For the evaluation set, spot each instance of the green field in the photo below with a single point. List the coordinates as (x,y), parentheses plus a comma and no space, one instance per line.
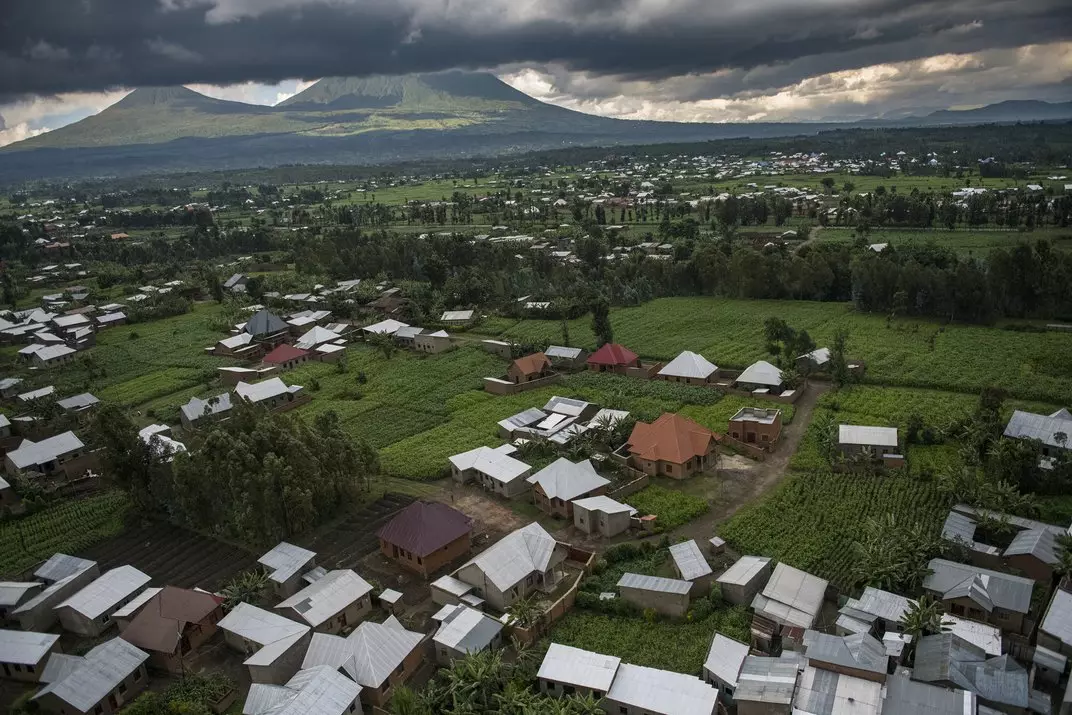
(965,242)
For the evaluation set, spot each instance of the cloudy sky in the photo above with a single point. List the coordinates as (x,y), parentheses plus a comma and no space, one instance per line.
(687,60)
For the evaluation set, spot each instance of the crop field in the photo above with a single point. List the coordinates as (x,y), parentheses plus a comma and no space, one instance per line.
(963,358)
(673,507)
(965,242)
(342,544)
(70,527)
(812,519)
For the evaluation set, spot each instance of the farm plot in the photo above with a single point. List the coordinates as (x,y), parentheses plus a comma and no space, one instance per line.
(966,242)
(343,543)
(673,507)
(173,555)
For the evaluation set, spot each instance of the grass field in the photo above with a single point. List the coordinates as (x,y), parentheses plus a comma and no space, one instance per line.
(966,242)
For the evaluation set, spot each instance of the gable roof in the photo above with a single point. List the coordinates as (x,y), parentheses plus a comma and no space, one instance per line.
(990,589)
(566,480)
(859,651)
(84,682)
(744,570)
(1058,619)
(689,560)
(820,356)
(285,560)
(515,556)
(274,634)
(316,336)
(642,582)
(761,372)
(725,658)
(671,438)
(327,596)
(264,323)
(78,402)
(532,364)
(689,364)
(1028,425)
(385,327)
(791,597)
(25,648)
(495,463)
(424,527)
(563,352)
(467,630)
(368,655)
(604,504)
(580,668)
(662,691)
(32,454)
(195,408)
(106,591)
(612,354)
(947,658)
(159,624)
(867,436)
(320,690)
(284,353)
(264,390)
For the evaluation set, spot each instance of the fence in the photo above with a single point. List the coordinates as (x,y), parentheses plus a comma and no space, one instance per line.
(749,449)
(585,560)
(498,386)
(632,486)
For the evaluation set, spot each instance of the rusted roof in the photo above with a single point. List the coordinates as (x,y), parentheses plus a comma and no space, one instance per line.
(425,527)
(671,438)
(160,623)
(285,353)
(532,364)
(612,354)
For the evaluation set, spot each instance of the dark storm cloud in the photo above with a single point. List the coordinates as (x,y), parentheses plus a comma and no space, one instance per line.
(51,46)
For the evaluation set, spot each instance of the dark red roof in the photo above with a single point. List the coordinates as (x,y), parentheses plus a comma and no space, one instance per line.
(284,353)
(161,621)
(425,527)
(613,354)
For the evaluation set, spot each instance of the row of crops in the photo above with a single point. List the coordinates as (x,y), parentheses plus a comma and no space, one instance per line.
(68,527)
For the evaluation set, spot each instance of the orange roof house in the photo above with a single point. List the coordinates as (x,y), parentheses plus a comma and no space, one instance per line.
(612,357)
(529,368)
(673,446)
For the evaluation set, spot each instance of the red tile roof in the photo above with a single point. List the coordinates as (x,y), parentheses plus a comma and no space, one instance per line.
(671,438)
(285,353)
(613,354)
(532,364)
(425,527)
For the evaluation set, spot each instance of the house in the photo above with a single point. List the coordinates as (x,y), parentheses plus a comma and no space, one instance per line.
(376,656)
(173,624)
(529,368)
(241,346)
(494,469)
(384,327)
(406,336)
(822,690)
(197,411)
(273,644)
(160,443)
(1053,431)
(54,355)
(457,317)
(236,283)
(1055,631)
(766,686)
(786,607)
(65,323)
(23,655)
(38,394)
(14,593)
(905,696)
(316,337)
(321,690)
(339,599)
(464,630)
(101,682)
(55,454)
(879,444)
(980,594)
(1033,550)
(566,670)
(433,343)
(673,446)
(522,562)
(664,595)
(555,486)
(89,611)
(78,403)
(947,660)
(722,667)
(272,393)
(128,612)
(286,357)
(9,387)
(638,690)
(859,655)
(756,425)
(690,565)
(426,536)
(612,358)
(566,358)
(689,368)
(497,347)
(761,377)
(63,576)
(603,515)
(288,566)
(741,582)
(816,360)
(265,326)
(110,320)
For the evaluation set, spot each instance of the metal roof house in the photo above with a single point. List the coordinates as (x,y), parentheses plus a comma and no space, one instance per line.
(288,564)
(878,442)
(665,595)
(637,690)
(744,579)
(859,655)
(320,690)
(1055,631)
(980,594)
(376,656)
(767,685)
(830,692)
(493,468)
(457,317)
(337,600)
(14,593)
(565,670)
(603,515)
(556,486)
(384,327)
(23,654)
(88,612)
(194,411)
(520,563)
(760,375)
(47,456)
(689,368)
(272,643)
(723,664)
(786,607)
(463,631)
(107,677)
(567,358)
(691,565)
(264,325)
(1047,429)
(271,393)
(817,359)
(905,696)
(946,659)
(63,575)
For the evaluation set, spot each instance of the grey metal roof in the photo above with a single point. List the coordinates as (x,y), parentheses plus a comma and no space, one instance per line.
(860,651)
(567,480)
(689,560)
(820,356)
(104,593)
(496,463)
(136,603)
(689,364)
(523,419)
(768,680)
(368,655)
(285,560)
(264,323)
(515,556)
(759,415)
(662,691)
(78,402)
(791,597)
(562,352)
(467,630)
(876,603)
(565,406)
(959,528)
(86,683)
(654,583)
(905,696)
(452,586)
(274,633)
(195,408)
(1051,659)
(1030,542)
(1011,593)
(744,570)
(761,372)
(317,336)
(580,668)
(320,690)
(327,596)
(936,654)
(1017,521)
(25,648)
(32,454)
(725,658)
(264,390)
(12,592)
(823,692)
(1041,427)
(867,435)
(1058,619)
(604,504)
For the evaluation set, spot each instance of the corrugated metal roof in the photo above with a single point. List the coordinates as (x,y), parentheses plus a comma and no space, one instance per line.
(580,668)
(522,419)
(195,408)
(689,364)
(274,633)
(31,454)
(368,655)
(453,315)
(567,480)
(859,651)
(452,586)
(467,630)
(1030,542)
(105,592)
(424,527)
(1047,658)
(562,352)
(316,336)
(875,602)
(318,690)
(978,634)
(689,560)
(264,390)
(25,648)
(768,680)
(761,372)
(1058,619)
(1011,593)
(744,570)
(604,504)
(960,528)
(327,596)
(1041,427)
(791,597)
(12,592)
(662,691)
(654,583)
(1017,521)
(86,683)
(566,406)
(285,560)
(823,692)
(138,601)
(725,658)
(515,556)
(385,327)
(905,696)
(867,435)
(78,402)
(495,463)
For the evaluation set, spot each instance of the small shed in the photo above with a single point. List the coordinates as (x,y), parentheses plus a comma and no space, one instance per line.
(690,565)
(723,665)
(603,515)
(741,582)
(665,595)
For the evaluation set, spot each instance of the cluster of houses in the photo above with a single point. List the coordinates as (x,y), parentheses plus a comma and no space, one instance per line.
(50,338)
